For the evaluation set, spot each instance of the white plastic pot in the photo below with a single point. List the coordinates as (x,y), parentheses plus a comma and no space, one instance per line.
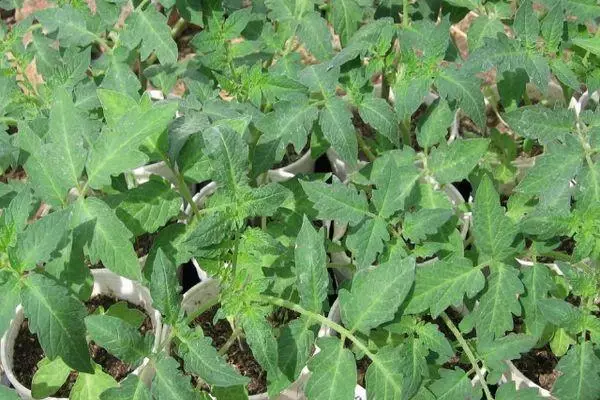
(303,165)
(106,283)
(515,376)
(207,292)
(142,174)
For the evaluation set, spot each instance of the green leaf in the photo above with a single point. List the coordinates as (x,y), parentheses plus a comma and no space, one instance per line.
(580,373)
(483,27)
(119,338)
(263,201)
(336,122)
(346,16)
(409,94)
(457,86)
(295,346)
(526,24)
(8,394)
(259,335)
(314,34)
(378,113)
(333,372)
(121,310)
(552,27)
(164,287)
(66,131)
(494,232)
(384,378)
(336,201)
(44,167)
(201,358)
(454,384)
(36,244)
(117,148)
(538,282)
(169,383)
(130,388)
(56,317)
(49,377)
(90,386)
(498,303)
(454,162)
(435,127)
(541,123)
(321,79)
(560,163)
(312,279)
(228,155)
(119,76)
(70,23)
(443,284)
(509,391)
(366,240)
(394,183)
(509,347)
(427,221)
(10,289)
(148,207)
(561,314)
(376,294)
(150,28)
(109,239)
(589,44)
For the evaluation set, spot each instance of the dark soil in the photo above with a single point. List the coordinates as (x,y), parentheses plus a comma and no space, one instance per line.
(28,351)
(539,366)
(361,368)
(238,355)
(143,243)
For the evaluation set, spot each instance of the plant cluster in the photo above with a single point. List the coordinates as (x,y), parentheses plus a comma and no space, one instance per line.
(429,294)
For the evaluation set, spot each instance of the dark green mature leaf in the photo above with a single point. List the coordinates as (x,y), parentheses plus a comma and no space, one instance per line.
(314,34)
(346,16)
(295,346)
(454,384)
(552,27)
(366,240)
(417,225)
(10,288)
(333,372)
(36,244)
(436,124)
(509,391)
(580,373)
(119,337)
(49,377)
(262,201)
(169,382)
(483,27)
(45,167)
(117,148)
(562,314)
(70,23)
(454,162)
(377,112)
(336,122)
(541,123)
(494,232)
(376,294)
(409,94)
(164,287)
(457,86)
(526,24)
(130,388)
(508,347)
(108,240)
(311,267)
(56,317)
(119,76)
(148,207)
(150,28)
(336,201)
(538,282)
(394,184)
(498,303)
(201,358)
(66,132)
(384,378)
(443,284)
(228,155)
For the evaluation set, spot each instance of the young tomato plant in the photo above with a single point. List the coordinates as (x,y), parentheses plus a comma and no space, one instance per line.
(397,200)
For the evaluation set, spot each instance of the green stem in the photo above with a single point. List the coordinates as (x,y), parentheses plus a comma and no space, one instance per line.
(8,121)
(365,148)
(343,332)
(465,346)
(405,131)
(405,14)
(142,4)
(234,335)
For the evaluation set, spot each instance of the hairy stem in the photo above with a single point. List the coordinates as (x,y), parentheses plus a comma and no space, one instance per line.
(405,14)
(365,148)
(465,346)
(234,335)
